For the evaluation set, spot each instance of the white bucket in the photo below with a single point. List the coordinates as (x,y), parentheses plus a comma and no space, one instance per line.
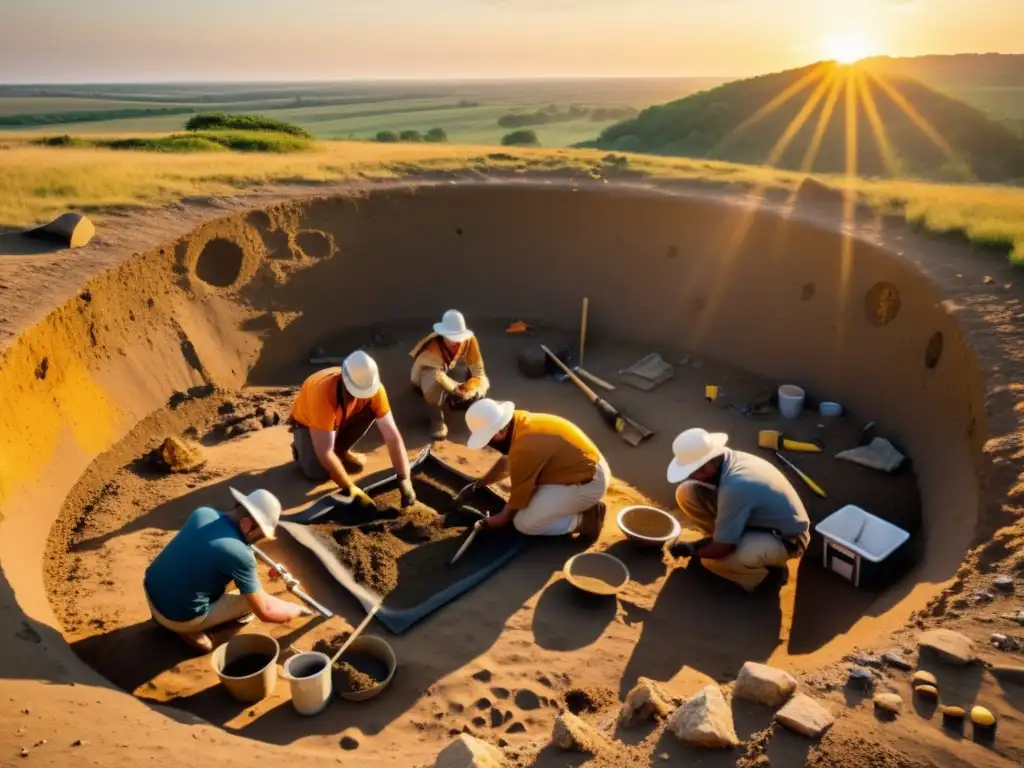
(791,401)
(309,675)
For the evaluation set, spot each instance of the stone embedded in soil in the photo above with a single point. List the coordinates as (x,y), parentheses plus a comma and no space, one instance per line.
(928,691)
(468,752)
(924,677)
(764,684)
(571,733)
(1004,583)
(888,702)
(861,679)
(805,716)
(894,659)
(348,743)
(705,721)
(866,660)
(955,712)
(952,647)
(644,702)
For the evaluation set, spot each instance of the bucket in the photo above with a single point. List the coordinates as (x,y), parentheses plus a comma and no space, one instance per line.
(376,648)
(309,675)
(648,526)
(247,666)
(596,572)
(791,401)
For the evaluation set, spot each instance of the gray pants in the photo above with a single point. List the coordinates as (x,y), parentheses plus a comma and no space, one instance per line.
(351,432)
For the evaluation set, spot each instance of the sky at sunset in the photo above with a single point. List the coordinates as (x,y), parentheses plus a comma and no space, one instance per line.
(143,40)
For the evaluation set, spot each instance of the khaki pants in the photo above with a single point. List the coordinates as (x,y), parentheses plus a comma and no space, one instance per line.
(228,607)
(351,432)
(747,565)
(432,391)
(555,510)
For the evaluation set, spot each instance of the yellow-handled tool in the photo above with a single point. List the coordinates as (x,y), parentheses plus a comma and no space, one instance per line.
(774,440)
(810,483)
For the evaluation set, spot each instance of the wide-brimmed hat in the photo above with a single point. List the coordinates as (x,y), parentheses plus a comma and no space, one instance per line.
(360,374)
(453,327)
(693,448)
(486,418)
(263,507)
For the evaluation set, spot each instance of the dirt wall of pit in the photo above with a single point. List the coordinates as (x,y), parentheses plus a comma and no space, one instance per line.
(244,295)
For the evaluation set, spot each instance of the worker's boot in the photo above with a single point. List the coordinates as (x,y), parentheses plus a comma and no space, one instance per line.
(777,578)
(438,429)
(592,523)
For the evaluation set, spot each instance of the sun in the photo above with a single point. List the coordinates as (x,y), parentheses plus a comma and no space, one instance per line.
(847,49)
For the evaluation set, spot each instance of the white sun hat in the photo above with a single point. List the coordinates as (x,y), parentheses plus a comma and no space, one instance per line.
(360,374)
(486,418)
(263,507)
(693,448)
(453,326)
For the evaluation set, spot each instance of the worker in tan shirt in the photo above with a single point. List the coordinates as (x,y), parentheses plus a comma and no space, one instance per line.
(334,409)
(434,360)
(558,475)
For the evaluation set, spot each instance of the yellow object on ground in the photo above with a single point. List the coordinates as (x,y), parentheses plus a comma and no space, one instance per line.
(773,440)
(981,716)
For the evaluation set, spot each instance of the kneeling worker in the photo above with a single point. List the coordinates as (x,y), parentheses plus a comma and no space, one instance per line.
(334,409)
(434,359)
(754,519)
(557,474)
(186,585)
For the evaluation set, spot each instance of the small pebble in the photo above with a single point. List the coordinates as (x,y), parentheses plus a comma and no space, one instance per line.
(1003,582)
(896,660)
(981,716)
(988,279)
(861,678)
(867,660)
(78,743)
(24,752)
(998,640)
(921,677)
(951,711)
(888,702)
(929,691)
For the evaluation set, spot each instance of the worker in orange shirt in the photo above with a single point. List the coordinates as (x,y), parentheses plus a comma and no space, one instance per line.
(333,410)
(436,357)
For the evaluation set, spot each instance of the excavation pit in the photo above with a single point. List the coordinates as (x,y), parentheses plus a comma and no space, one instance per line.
(720,300)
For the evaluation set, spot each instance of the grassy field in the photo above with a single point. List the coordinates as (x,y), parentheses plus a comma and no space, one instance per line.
(36,183)
(1006,101)
(467,111)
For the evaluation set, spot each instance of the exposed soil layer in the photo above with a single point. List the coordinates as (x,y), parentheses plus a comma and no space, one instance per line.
(148,333)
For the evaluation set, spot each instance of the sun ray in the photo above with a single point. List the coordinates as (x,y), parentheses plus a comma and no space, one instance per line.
(877,127)
(916,117)
(846,241)
(800,120)
(823,121)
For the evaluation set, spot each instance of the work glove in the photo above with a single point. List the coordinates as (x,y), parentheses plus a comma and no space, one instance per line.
(408,494)
(353,494)
(689,548)
(469,391)
(463,496)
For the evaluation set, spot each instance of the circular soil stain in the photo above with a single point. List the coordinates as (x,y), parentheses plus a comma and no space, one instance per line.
(882,303)
(672,252)
(316,245)
(807,292)
(933,353)
(220,263)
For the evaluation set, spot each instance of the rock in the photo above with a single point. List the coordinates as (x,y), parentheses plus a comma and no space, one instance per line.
(955,712)
(177,455)
(23,753)
(928,691)
(1004,583)
(270,419)
(952,647)
(72,230)
(644,702)
(469,752)
(78,743)
(988,279)
(982,596)
(226,408)
(1009,673)
(571,733)
(998,640)
(246,425)
(894,659)
(705,720)
(888,702)
(1017,617)
(805,716)
(763,684)
(866,660)
(922,677)
(983,717)
(861,679)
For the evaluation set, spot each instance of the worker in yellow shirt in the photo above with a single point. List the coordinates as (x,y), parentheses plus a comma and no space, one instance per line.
(334,409)
(558,475)
(436,357)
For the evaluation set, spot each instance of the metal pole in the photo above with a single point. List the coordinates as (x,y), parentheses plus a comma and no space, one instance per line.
(293,584)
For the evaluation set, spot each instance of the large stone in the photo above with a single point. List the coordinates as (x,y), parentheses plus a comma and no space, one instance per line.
(572,733)
(805,716)
(950,646)
(888,702)
(763,684)
(69,229)
(465,751)
(705,721)
(645,702)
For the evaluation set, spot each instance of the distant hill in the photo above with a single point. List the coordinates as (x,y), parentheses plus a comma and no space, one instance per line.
(776,119)
(962,70)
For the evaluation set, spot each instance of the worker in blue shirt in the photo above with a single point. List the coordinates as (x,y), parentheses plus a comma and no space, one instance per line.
(187,584)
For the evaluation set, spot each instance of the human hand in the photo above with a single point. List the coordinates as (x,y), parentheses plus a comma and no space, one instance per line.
(353,493)
(689,548)
(465,493)
(498,521)
(408,494)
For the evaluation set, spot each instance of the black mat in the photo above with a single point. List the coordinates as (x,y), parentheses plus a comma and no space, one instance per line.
(490,551)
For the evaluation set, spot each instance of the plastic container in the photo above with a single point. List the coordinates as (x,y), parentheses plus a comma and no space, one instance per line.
(648,526)
(260,682)
(791,401)
(378,648)
(597,573)
(830,410)
(309,675)
(862,548)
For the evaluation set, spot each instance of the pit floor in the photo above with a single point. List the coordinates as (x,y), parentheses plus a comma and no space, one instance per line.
(516,643)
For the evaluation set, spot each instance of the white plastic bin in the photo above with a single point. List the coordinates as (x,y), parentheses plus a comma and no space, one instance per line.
(859,546)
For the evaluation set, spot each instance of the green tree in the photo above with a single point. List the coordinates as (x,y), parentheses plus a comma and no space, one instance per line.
(522,138)
(387,137)
(436,135)
(410,136)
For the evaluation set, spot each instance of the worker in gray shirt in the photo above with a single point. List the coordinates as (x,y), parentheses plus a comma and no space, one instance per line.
(752,517)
